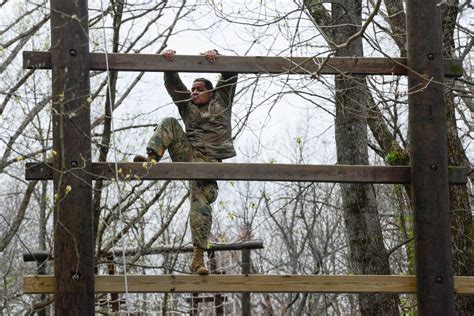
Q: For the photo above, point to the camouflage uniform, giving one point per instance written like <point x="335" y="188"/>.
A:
<point x="208" y="138"/>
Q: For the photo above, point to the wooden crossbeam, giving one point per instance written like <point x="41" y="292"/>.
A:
<point x="249" y="283"/>
<point x="246" y="171"/>
<point x="244" y="64"/>
<point x="217" y="247"/>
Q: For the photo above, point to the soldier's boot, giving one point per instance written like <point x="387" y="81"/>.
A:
<point x="140" y="158"/>
<point x="197" y="262"/>
<point x="151" y="156"/>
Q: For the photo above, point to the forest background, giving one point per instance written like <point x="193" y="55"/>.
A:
<point x="307" y="228"/>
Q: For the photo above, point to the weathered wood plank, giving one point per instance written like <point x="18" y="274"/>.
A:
<point x="247" y="172"/>
<point x="245" y="64"/>
<point x="249" y="283"/>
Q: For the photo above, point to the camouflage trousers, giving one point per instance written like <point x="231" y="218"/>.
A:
<point x="169" y="135"/>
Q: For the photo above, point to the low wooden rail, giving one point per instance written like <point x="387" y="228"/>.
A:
<point x="250" y="283"/>
<point x="246" y="171"/>
<point x="244" y="245"/>
<point x="245" y="64"/>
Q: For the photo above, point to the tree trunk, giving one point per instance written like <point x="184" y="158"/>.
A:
<point x="364" y="233"/>
<point x="462" y="230"/>
<point x="461" y="216"/>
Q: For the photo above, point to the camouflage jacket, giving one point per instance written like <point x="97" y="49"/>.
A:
<point x="208" y="127"/>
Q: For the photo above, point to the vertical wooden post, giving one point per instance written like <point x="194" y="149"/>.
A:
<point x="246" y="270"/>
<point x="73" y="220"/>
<point x="114" y="297"/>
<point x="218" y="299"/>
<point x="428" y="154"/>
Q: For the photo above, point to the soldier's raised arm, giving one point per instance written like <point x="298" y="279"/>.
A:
<point x="227" y="82"/>
<point x="173" y="84"/>
<point x="225" y="87"/>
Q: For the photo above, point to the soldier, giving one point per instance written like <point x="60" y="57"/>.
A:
<point x="206" y="112"/>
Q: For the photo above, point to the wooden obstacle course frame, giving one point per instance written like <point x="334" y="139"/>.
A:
<point x="428" y="164"/>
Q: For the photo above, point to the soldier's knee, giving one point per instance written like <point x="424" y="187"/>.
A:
<point x="209" y="191"/>
<point x="211" y="196"/>
<point x="205" y="212"/>
<point x="169" y="121"/>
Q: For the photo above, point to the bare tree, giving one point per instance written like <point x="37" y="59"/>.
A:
<point x="364" y="233"/>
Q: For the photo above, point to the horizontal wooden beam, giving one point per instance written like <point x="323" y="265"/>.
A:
<point x="217" y="247"/>
<point x="246" y="172"/>
<point x="244" y="64"/>
<point x="249" y="283"/>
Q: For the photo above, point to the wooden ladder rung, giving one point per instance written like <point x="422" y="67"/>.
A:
<point x="249" y="283"/>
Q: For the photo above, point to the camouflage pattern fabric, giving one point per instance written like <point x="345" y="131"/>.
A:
<point x="170" y="135"/>
<point x="208" y="127"/>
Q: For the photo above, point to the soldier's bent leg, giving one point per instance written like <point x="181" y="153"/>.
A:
<point x="203" y="194"/>
<point x="170" y="135"/>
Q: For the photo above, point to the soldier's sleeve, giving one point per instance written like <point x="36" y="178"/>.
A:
<point x="176" y="88"/>
<point x="225" y="87"/>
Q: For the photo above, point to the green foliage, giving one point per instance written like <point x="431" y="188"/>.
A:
<point x="400" y="158"/>
<point x="230" y="216"/>
<point x="456" y="69"/>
